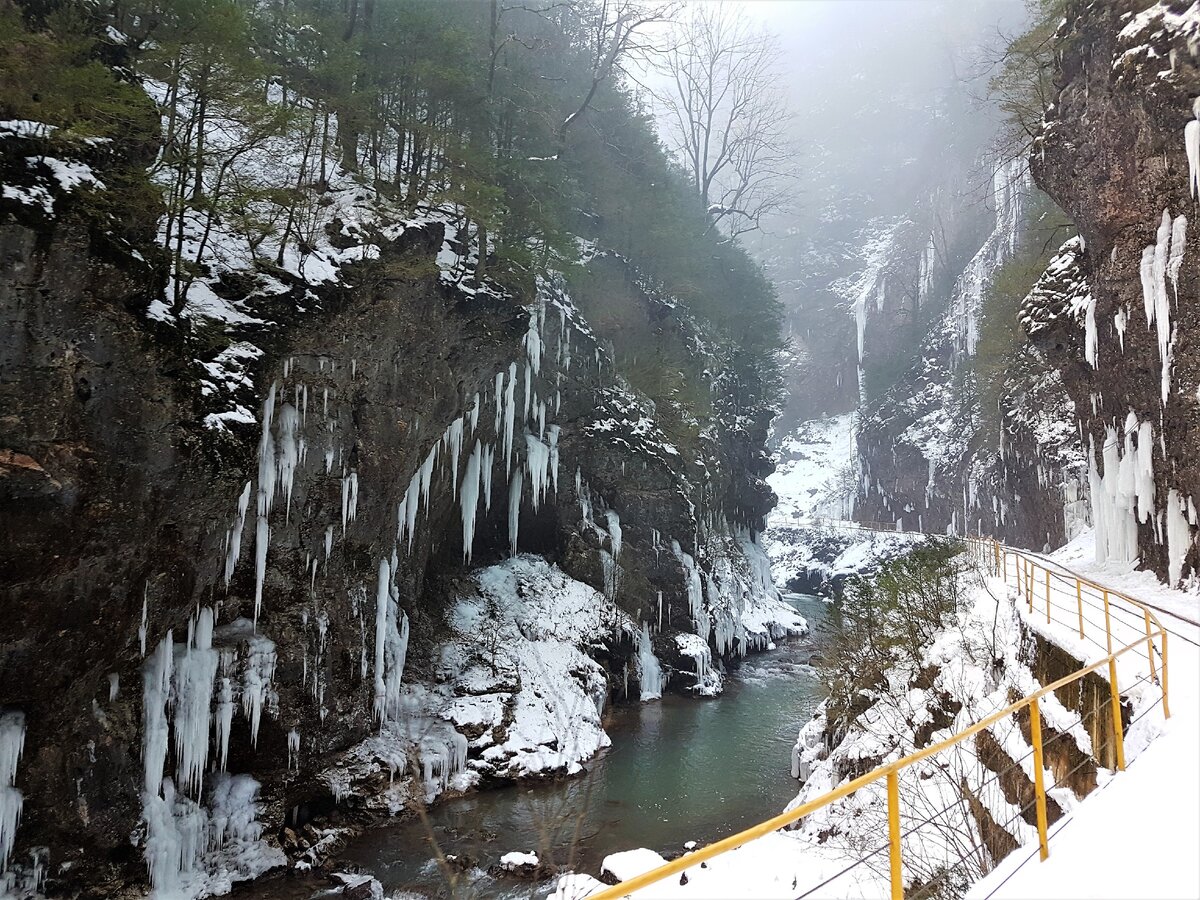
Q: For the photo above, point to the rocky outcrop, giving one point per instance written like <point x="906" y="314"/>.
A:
<point x="1114" y="152"/>
<point x="931" y="456"/>
<point x="238" y="537"/>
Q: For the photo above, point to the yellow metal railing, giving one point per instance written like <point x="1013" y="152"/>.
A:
<point x="1029" y="572"/>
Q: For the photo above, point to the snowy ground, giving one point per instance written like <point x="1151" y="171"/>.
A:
<point x="1145" y="817"/>
<point x="807" y="477"/>
<point x="814" y="482"/>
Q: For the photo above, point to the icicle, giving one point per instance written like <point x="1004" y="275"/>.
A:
<point x="407" y="513"/>
<point x="262" y="538"/>
<point x="224" y="723"/>
<point x="391" y="644"/>
<point x="538" y="462"/>
<point x="257" y="681"/>
<point x="499" y="404"/>
<point x="514" y="508"/>
<point x="12" y="746"/>
<point x="1179" y="536"/>
<point x="469" y="499"/>
<point x="486" y="462"/>
<point x="1191" y="143"/>
<point x="553" y="438"/>
<point x="533" y="345"/>
<point x="192" y="703"/>
<point x="426" y="473"/>
<point x="510" y="413"/>
<point x="156" y="691"/>
<point x="288" y="453"/>
<point x="614" y="531"/>
<point x="454" y="439"/>
<point x="293" y="744"/>
<point x="142" y="627"/>
<point x="234" y="548"/>
<point x="349" y="498"/>
<point x="266" y="495"/>
<point x="649" y="671"/>
<point x="1178" y="245"/>
<point x="382" y="596"/>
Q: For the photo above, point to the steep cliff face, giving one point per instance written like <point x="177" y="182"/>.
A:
<point x="1119" y="152"/>
<point x="239" y="538"/>
<point x="957" y="444"/>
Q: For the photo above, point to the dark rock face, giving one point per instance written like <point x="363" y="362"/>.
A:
<point x="1112" y="154"/>
<point x="118" y="505"/>
<point x="931" y="457"/>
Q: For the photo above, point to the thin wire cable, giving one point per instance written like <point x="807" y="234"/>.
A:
<point x="852" y="865"/>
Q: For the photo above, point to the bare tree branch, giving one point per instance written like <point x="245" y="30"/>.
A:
<point x="726" y="118"/>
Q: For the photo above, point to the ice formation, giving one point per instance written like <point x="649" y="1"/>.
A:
<point x="537" y="456"/>
<point x="234" y="538"/>
<point x="1160" y="260"/>
<point x="12" y="746"/>
<point x="510" y="414"/>
<point x="1191" y="143"/>
<point x="694" y="588"/>
<point x="1179" y="535"/>
<point x="258" y="681"/>
<point x="183" y="839"/>
<point x="614" y="531"/>
<point x="469" y="498"/>
<point x="1124" y="493"/>
<point x="1010" y="182"/>
<point x="195" y="672"/>
<point x="650" y="672"/>
<point x="515" y="485"/>
<point x="349" y="498"/>
<point x="391" y="643"/>
<point x="708" y="682"/>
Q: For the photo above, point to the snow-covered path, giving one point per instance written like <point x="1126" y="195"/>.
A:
<point x="1145" y="820"/>
<point x="1137" y="835"/>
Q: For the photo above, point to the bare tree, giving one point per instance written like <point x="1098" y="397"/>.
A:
<point x="614" y="30"/>
<point x="726" y="117"/>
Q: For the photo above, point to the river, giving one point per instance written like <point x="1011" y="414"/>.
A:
<point x="679" y="769"/>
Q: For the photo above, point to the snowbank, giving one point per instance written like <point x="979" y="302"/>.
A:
<point x="517" y="694"/>
<point x="1147" y="814"/>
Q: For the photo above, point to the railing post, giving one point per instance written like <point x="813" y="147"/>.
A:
<point x="1150" y="648"/>
<point x="893" y="793"/>
<point x="996" y="557"/>
<point x="1047" y="596"/>
<point x="1118" y="725"/>
<point x="1039" y="779"/>
<point x="1079" y="600"/>
<point x="1029" y="583"/>
<point x="1166" y="704"/>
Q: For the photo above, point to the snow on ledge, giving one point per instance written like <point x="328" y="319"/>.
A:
<point x="631" y="863"/>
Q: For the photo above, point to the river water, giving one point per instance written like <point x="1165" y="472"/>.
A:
<point x="679" y="769"/>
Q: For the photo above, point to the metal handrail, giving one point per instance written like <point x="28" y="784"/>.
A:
<point x="995" y="557"/>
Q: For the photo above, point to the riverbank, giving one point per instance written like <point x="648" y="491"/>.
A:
<point x="679" y="769"/>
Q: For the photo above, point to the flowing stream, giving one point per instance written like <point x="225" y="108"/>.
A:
<point x="679" y="769"/>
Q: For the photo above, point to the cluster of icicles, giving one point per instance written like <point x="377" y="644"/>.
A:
<point x="1124" y="496"/>
<point x="182" y="683"/>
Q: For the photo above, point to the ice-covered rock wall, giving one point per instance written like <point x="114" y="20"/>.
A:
<point x="1119" y="324"/>
<point x="237" y="536"/>
<point x="925" y="461"/>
